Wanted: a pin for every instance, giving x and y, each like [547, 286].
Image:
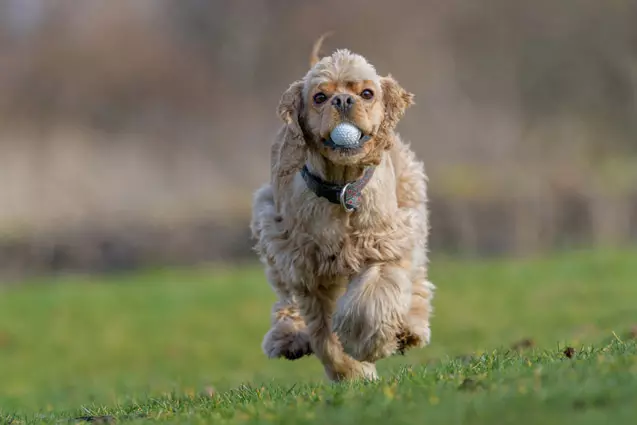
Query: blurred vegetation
[129, 128]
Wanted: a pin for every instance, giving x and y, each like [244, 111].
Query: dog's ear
[290, 107]
[396, 100]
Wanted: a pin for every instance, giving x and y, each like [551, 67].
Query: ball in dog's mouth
[346, 136]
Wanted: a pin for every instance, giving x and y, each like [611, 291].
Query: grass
[183, 346]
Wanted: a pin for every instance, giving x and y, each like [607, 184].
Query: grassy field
[183, 346]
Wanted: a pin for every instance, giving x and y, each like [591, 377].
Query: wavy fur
[352, 288]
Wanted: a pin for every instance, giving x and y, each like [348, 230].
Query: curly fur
[352, 288]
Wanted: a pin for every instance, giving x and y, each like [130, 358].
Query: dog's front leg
[371, 315]
[317, 306]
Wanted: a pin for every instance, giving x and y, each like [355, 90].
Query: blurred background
[133, 133]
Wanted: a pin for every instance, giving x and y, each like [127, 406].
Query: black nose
[343, 102]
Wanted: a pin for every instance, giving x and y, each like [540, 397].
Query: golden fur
[352, 287]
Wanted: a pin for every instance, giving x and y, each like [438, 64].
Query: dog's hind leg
[416, 332]
[317, 307]
[288, 337]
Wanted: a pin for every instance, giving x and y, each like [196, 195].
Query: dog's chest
[327, 241]
[331, 246]
[337, 244]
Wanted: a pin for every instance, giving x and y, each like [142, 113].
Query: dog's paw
[416, 332]
[412, 338]
[286, 340]
[368, 345]
[372, 313]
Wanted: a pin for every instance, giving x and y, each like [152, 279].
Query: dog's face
[339, 88]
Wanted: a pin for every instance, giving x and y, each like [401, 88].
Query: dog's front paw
[372, 312]
[285, 339]
[364, 342]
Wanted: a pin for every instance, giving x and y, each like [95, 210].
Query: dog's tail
[316, 49]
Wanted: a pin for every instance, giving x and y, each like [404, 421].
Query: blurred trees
[159, 115]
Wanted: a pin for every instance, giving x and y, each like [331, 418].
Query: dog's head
[344, 87]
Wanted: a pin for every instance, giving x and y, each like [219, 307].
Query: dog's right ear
[290, 107]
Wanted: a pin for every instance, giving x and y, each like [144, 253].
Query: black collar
[348, 195]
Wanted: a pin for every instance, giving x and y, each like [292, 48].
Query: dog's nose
[343, 102]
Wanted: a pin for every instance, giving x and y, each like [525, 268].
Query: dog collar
[347, 195]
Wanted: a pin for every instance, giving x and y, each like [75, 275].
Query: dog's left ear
[396, 100]
[290, 106]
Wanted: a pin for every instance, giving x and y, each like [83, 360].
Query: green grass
[154, 346]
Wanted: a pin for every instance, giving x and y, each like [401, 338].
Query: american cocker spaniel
[342, 226]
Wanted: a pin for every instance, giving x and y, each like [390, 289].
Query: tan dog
[343, 231]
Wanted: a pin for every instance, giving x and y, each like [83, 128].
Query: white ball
[345, 134]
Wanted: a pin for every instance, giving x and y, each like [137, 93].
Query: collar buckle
[343, 200]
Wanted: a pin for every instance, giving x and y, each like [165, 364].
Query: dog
[342, 231]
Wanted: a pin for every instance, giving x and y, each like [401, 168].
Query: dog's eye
[319, 98]
[367, 94]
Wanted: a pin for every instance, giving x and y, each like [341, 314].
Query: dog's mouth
[346, 138]
[349, 147]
